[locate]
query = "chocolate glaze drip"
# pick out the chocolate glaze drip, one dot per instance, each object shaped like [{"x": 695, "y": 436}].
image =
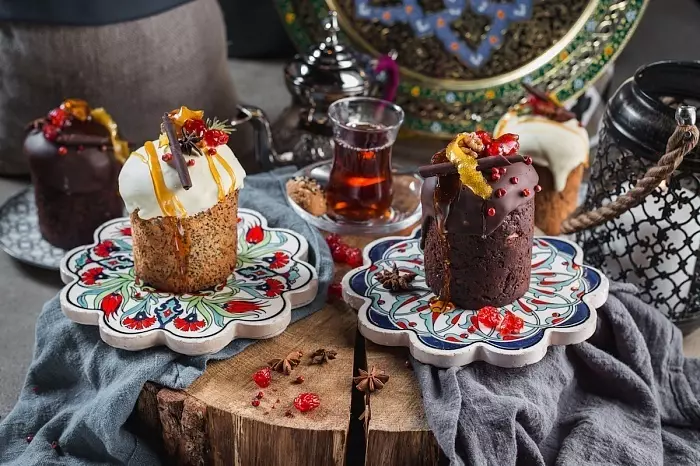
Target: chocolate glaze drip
[{"x": 456, "y": 208}]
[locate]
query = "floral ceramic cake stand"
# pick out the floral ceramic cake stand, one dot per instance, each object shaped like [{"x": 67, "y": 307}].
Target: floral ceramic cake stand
[
  {"x": 558, "y": 309},
  {"x": 271, "y": 279}
]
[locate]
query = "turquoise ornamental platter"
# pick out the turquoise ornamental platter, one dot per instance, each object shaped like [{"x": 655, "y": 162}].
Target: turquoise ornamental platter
[{"x": 462, "y": 61}]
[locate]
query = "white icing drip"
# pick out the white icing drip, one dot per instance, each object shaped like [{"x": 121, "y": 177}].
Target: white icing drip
[
  {"x": 561, "y": 147},
  {"x": 136, "y": 184}
]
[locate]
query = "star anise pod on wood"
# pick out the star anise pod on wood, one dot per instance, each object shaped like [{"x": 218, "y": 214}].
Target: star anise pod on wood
[
  {"x": 323, "y": 355},
  {"x": 370, "y": 381},
  {"x": 188, "y": 143},
  {"x": 286, "y": 364},
  {"x": 394, "y": 281}
]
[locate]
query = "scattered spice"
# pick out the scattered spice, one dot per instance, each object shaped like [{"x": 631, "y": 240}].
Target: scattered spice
[
  {"x": 255, "y": 402},
  {"x": 394, "y": 281},
  {"x": 30, "y": 437},
  {"x": 299, "y": 380},
  {"x": 287, "y": 364},
  {"x": 370, "y": 381},
  {"x": 408, "y": 365},
  {"x": 260, "y": 395},
  {"x": 323, "y": 355},
  {"x": 288, "y": 413}
]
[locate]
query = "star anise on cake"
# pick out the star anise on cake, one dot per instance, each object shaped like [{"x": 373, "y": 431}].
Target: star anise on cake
[
  {"x": 370, "y": 381},
  {"x": 323, "y": 355},
  {"x": 188, "y": 143},
  {"x": 286, "y": 364},
  {"x": 393, "y": 280}
]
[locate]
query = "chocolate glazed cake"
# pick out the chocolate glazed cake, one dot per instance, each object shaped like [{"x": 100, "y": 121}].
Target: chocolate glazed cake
[
  {"x": 73, "y": 161},
  {"x": 477, "y": 240}
]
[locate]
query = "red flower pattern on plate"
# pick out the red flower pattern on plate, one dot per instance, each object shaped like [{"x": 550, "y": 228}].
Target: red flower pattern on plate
[
  {"x": 239, "y": 307},
  {"x": 138, "y": 322},
  {"x": 255, "y": 234},
  {"x": 279, "y": 260},
  {"x": 104, "y": 248},
  {"x": 111, "y": 303},
  {"x": 90, "y": 276},
  {"x": 126, "y": 231},
  {"x": 273, "y": 287},
  {"x": 189, "y": 323}
]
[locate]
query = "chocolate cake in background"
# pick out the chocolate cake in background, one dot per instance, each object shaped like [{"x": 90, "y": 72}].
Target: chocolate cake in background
[
  {"x": 478, "y": 222},
  {"x": 74, "y": 158}
]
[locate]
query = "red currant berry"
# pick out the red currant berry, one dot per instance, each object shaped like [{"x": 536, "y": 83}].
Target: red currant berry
[
  {"x": 196, "y": 126},
  {"x": 255, "y": 402},
  {"x": 335, "y": 290},
  {"x": 538, "y": 188},
  {"x": 488, "y": 316},
  {"x": 50, "y": 132},
  {"x": 354, "y": 258},
  {"x": 215, "y": 137},
  {"x": 63, "y": 150},
  {"x": 190, "y": 163},
  {"x": 500, "y": 192},
  {"x": 494, "y": 148},
  {"x": 484, "y": 136},
  {"x": 339, "y": 253},
  {"x": 511, "y": 324},
  {"x": 167, "y": 157},
  {"x": 58, "y": 117},
  {"x": 262, "y": 377},
  {"x": 491, "y": 212},
  {"x": 306, "y": 402},
  {"x": 526, "y": 192},
  {"x": 332, "y": 239},
  {"x": 514, "y": 180}
]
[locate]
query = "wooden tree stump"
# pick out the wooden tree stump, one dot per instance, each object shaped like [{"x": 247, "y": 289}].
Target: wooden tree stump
[{"x": 213, "y": 422}]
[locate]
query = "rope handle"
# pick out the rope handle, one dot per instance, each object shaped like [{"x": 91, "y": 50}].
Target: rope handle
[{"x": 682, "y": 141}]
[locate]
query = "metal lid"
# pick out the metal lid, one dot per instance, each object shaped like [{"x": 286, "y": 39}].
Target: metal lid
[{"x": 328, "y": 67}]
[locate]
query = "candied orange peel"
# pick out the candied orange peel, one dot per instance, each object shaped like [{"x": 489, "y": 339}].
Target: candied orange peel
[{"x": 465, "y": 159}]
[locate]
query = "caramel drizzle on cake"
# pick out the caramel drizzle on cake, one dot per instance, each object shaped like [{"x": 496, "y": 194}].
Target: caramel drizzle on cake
[{"x": 168, "y": 202}]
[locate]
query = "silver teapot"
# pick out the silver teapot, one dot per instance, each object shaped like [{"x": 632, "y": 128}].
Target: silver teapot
[{"x": 329, "y": 71}]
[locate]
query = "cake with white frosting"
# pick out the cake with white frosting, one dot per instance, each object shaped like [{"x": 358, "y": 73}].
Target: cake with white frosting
[
  {"x": 558, "y": 146},
  {"x": 182, "y": 199}
]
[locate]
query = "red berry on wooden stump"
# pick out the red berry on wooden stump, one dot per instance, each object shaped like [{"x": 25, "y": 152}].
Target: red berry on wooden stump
[
  {"x": 306, "y": 402},
  {"x": 263, "y": 377}
]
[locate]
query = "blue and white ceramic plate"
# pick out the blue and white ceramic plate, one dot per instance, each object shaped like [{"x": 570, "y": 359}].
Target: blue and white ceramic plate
[
  {"x": 271, "y": 279},
  {"x": 20, "y": 236},
  {"x": 558, "y": 309}
]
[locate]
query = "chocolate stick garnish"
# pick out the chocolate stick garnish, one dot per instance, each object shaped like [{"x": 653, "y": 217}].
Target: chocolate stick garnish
[
  {"x": 561, "y": 114},
  {"x": 88, "y": 140},
  {"x": 178, "y": 158},
  {"x": 483, "y": 164}
]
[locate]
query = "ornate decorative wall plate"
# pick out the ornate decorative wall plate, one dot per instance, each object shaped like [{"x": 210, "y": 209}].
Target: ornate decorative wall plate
[
  {"x": 462, "y": 61},
  {"x": 271, "y": 279},
  {"x": 558, "y": 309}
]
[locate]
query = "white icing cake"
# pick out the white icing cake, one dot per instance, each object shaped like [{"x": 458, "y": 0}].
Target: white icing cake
[
  {"x": 151, "y": 185},
  {"x": 561, "y": 147}
]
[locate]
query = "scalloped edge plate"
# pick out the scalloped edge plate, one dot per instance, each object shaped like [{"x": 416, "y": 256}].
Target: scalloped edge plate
[
  {"x": 477, "y": 351},
  {"x": 233, "y": 329}
]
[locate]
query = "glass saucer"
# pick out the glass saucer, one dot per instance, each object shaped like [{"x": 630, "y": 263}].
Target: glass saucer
[{"x": 405, "y": 210}]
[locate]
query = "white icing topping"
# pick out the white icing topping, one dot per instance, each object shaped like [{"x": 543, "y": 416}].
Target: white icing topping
[
  {"x": 561, "y": 147},
  {"x": 136, "y": 184}
]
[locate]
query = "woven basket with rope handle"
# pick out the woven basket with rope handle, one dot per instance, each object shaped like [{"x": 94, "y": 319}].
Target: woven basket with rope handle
[{"x": 682, "y": 141}]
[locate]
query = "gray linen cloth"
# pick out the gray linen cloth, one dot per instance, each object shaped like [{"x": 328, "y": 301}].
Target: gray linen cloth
[
  {"x": 85, "y": 390},
  {"x": 627, "y": 396}
]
